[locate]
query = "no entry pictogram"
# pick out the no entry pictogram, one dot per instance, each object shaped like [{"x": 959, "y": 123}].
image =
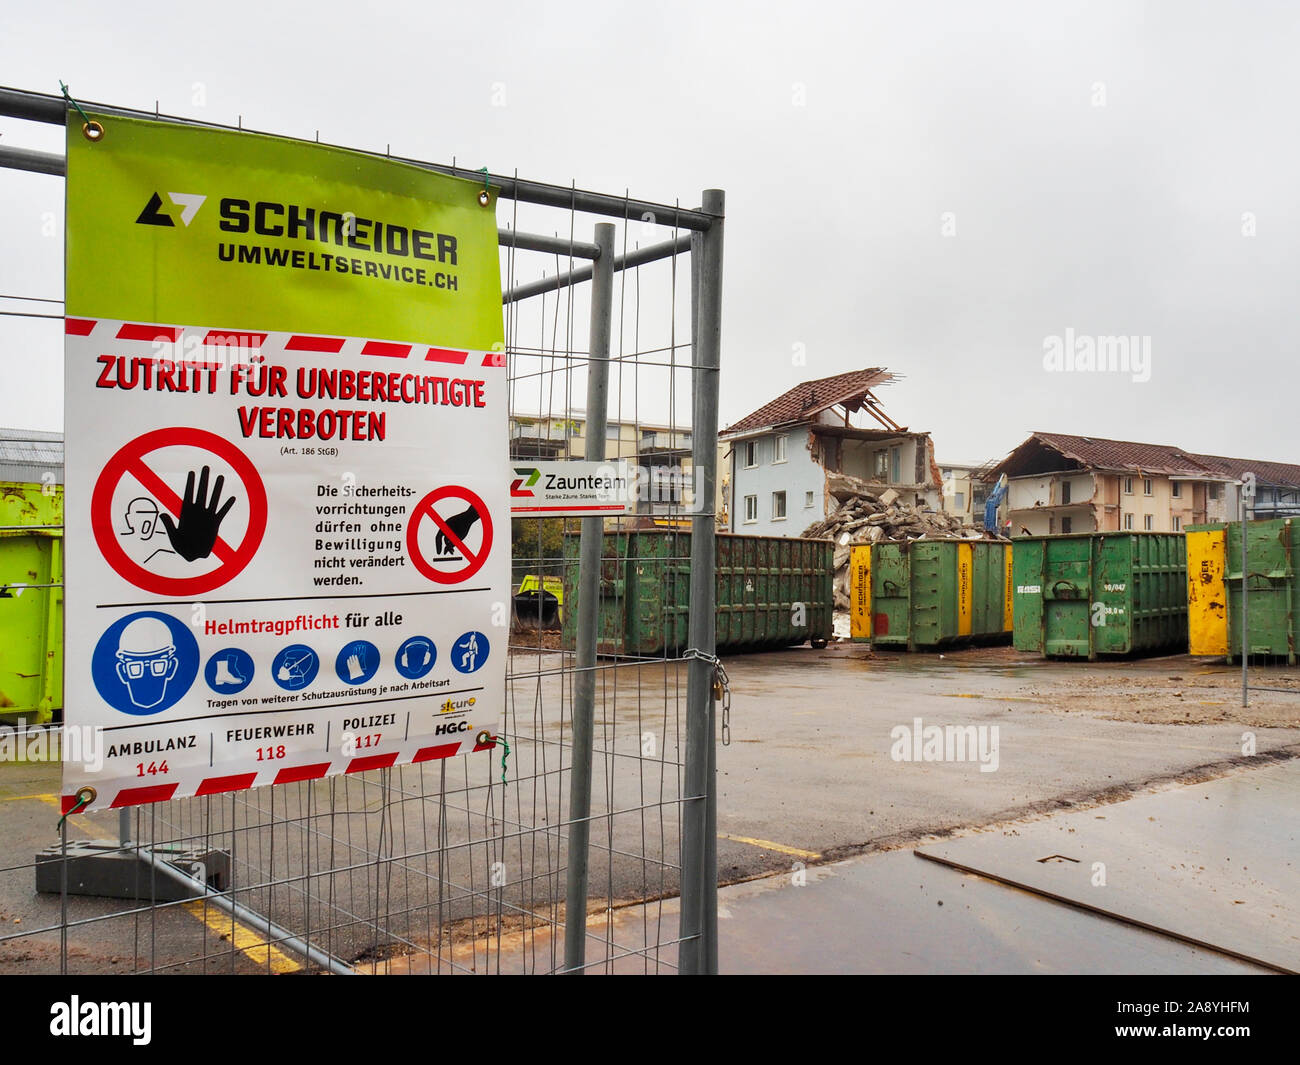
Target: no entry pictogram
[
  {"x": 133, "y": 459},
  {"x": 454, "y": 527}
]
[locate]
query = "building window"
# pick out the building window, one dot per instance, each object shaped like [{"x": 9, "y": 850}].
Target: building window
[
  {"x": 896, "y": 465},
  {"x": 778, "y": 506},
  {"x": 613, "y": 432},
  {"x": 751, "y": 454},
  {"x": 1178, "y": 524},
  {"x": 881, "y": 469},
  {"x": 1214, "y": 491},
  {"x": 1147, "y": 522},
  {"x": 1065, "y": 491},
  {"x": 1128, "y": 486},
  {"x": 1066, "y": 525},
  {"x": 959, "y": 501},
  {"x": 778, "y": 452},
  {"x": 1128, "y": 521},
  {"x": 751, "y": 508},
  {"x": 807, "y": 499},
  {"x": 1176, "y": 488},
  {"x": 1146, "y": 486}
]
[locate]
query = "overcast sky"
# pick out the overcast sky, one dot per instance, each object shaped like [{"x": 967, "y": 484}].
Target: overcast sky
[{"x": 938, "y": 188}]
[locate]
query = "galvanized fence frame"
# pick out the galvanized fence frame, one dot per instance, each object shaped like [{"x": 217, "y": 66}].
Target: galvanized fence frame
[{"x": 216, "y": 856}]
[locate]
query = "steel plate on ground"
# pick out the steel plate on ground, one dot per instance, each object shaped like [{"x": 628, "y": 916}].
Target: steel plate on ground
[{"x": 1216, "y": 863}]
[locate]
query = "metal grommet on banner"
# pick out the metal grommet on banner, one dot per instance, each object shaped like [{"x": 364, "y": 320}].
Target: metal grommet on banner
[
  {"x": 483, "y": 737},
  {"x": 484, "y": 197},
  {"x": 93, "y": 131}
]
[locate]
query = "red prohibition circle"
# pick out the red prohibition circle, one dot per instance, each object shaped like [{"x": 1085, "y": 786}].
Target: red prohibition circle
[
  {"x": 130, "y": 459},
  {"x": 424, "y": 509}
]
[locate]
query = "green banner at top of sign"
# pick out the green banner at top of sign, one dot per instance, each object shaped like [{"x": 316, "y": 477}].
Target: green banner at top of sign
[{"x": 178, "y": 224}]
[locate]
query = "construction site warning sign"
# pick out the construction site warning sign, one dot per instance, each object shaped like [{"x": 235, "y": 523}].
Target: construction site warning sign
[{"x": 286, "y": 424}]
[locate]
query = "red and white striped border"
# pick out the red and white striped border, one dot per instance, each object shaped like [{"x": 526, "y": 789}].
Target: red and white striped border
[
  {"x": 221, "y": 785},
  {"x": 270, "y": 343}
]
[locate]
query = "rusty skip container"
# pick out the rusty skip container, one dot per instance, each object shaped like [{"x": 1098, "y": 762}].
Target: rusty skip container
[
  {"x": 31, "y": 602},
  {"x": 930, "y": 593},
  {"x": 772, "y": 592},
  {"x": 1082, "y": 595},
  {"x": 1214, "y": 588}
]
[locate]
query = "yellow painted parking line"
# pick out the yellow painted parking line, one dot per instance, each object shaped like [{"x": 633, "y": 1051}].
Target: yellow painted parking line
[
  {"x": 245, "y": 940},
  {"x": 768, "y": 845}
]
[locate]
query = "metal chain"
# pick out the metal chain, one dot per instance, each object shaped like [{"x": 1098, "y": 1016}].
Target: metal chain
[{"x": 721, "y": 687}]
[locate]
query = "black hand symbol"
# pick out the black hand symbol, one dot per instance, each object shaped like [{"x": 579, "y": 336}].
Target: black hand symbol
[{"x": 194, "y": 534}]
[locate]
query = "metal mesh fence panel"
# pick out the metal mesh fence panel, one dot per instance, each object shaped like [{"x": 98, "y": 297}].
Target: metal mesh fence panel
[{"x": 460, "y": 865}]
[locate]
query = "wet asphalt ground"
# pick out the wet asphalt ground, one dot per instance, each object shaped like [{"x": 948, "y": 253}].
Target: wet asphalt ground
[{"x": 815, "y": 773}]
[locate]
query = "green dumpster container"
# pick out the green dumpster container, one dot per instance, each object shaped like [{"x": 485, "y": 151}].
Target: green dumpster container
[
  {"x": 1109, "y": 593},
  {"x": 930, "y": 593},
  {"x": 31, "y": 602},
  {"x": 1272, "y": 595},
  {"x": 771, "y": 592}
]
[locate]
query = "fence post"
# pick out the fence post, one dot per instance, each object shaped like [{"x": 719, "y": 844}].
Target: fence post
[
  {"x": 698, "y": 950},
  {"x": 1245, "y": 644},
  {"x": 590, "y": 548}
]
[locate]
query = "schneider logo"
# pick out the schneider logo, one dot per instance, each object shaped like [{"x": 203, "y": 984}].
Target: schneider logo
[{"x": 154, "y": 215}]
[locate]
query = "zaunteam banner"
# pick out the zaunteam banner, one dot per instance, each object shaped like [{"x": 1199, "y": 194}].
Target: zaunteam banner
[{"x": 287, "y": 531}]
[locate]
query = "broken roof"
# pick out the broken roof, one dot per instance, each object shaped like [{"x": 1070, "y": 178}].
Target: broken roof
[
  {"x": 1127, "y": 456},
  {"x": 805, "y": 401}
]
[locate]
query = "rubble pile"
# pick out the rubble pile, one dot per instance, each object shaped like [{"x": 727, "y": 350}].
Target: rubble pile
[{"x": 862, "y": 517}]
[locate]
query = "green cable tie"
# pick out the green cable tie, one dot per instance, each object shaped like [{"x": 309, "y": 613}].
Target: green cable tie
[
  {"x": 505, "y": 754},
  {"x": 81, "y": 804},
  {"x": 74, "y": 103}
]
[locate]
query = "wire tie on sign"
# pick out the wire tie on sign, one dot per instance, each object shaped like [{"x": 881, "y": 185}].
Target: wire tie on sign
[
  {"x": 484, "y": 197},
  {"x": 505, "y": 755},
  {"x": 91, "y": 130},
  {"x": 84, "y": 798}
]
